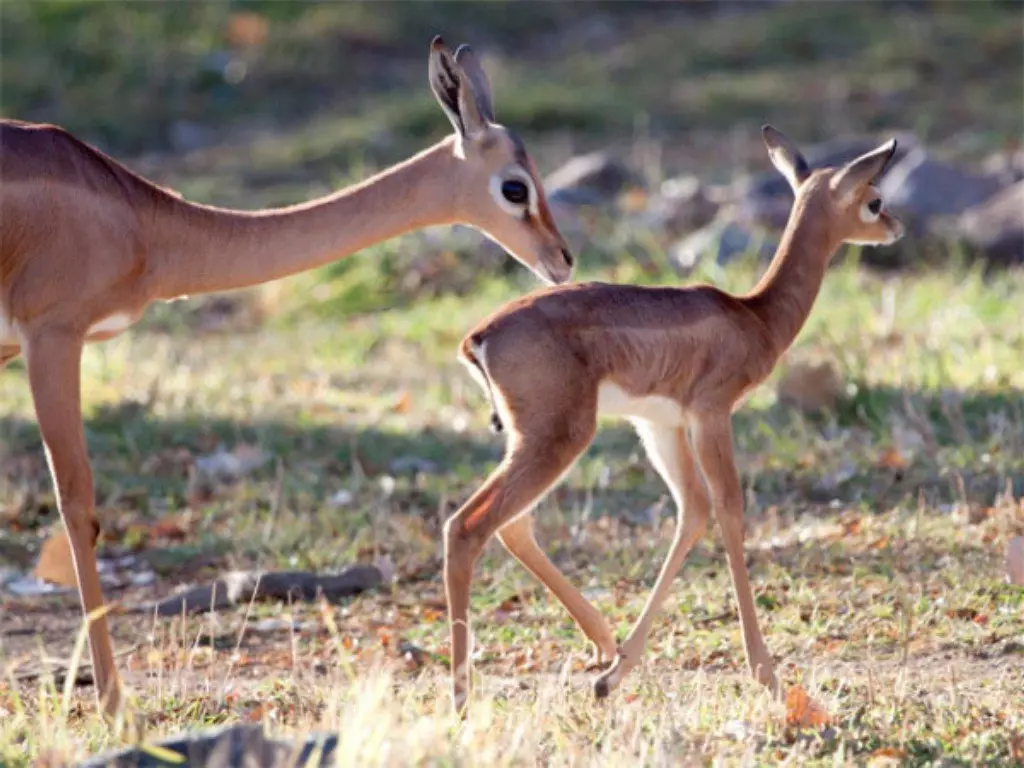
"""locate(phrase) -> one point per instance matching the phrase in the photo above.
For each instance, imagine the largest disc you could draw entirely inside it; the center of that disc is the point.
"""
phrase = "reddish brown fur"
(690, 354)
(84, 240)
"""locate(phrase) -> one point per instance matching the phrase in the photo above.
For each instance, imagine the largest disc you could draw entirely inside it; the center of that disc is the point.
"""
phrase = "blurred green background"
(338, 390)
(254, 104)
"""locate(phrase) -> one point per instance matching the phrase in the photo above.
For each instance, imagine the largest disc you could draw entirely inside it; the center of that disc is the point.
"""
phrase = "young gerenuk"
(674, 361)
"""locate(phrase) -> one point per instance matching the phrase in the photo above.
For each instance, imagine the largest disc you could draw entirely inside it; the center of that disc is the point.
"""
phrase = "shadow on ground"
(968, 428)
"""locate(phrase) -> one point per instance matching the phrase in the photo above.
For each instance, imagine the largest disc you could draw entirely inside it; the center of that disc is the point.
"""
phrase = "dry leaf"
(255, 714)
(802, 711)
(1015, 561)
(246, 28)
(231, 466)
(401, 405)
(810, 386)
(634, 200)
(56, 564)
(172, 527)
(891, 458)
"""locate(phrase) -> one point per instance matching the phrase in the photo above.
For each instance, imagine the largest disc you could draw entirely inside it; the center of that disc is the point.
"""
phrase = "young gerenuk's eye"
(515, 191)
(875, 206)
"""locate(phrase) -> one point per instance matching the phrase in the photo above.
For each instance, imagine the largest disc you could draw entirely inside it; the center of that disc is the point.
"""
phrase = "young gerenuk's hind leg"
(533, 464)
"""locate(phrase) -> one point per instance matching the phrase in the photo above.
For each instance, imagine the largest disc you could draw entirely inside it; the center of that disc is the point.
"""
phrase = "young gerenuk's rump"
(676, 362)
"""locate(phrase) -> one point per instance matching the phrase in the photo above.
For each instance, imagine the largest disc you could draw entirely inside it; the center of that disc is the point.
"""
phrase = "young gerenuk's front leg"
(712, 442)
(671, 455)
(532, 465)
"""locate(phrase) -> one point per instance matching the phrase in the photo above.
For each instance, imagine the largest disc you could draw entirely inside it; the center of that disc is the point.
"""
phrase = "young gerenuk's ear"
(863, 171)
(786, 158)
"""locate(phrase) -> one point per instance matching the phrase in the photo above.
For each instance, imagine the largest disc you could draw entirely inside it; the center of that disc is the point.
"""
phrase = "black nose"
(567, 256)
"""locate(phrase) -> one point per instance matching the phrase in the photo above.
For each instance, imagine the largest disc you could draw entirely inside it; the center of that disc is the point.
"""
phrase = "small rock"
(238, 744)
(737, 730)
(726, 239)
(413, 465)
(187, 136)
(29, 586)
(341, 498)
(681, 205)
(273, 625)
(996, 227)
(810, 386)
(1006, 167)
(142, 578)
(591, 179)
(230, 466)
(920, 187)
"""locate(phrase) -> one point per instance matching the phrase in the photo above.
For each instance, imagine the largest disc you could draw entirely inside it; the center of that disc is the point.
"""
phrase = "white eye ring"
(867, 215)
(511, 208)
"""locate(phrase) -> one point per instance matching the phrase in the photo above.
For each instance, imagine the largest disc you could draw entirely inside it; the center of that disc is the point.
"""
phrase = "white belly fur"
(112, 325)
(108, 326)
(613, 400)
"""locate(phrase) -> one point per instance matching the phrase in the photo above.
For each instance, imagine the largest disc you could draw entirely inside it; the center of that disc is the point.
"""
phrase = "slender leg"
(532, 465)
(54, 369)
(712, 442)
(670, 453)
(518, 538)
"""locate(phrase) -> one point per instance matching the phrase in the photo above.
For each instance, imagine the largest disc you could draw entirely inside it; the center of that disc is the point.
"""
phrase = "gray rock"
(1006, 167)
(591, 179)
(725, 238)
(186, 136)
(920, 187)
(411, 465)
(995, 229)
(241, 587)
(681, 205)
(231, 745)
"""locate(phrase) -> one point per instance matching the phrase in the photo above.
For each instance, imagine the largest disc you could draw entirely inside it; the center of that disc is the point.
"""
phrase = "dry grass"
(876, 528)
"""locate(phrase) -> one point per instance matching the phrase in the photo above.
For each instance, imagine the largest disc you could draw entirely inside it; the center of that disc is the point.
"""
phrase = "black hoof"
(601, 689)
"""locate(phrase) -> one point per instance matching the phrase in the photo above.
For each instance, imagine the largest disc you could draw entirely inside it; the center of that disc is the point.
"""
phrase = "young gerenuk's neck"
(786, 293)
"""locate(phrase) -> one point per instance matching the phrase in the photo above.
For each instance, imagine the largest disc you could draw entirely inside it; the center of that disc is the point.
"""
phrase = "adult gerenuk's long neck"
(784, 296)
(201, 249)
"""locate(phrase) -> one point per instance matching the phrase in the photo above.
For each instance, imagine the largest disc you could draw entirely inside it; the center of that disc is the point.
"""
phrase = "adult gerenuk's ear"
(455, 90)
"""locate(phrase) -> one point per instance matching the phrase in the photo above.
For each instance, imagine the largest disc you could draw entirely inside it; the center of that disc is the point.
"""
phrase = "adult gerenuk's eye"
(875, 206)
(515, 192)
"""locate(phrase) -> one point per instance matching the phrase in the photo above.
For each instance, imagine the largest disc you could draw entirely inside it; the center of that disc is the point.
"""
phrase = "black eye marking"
(515, 191)
(875, 206)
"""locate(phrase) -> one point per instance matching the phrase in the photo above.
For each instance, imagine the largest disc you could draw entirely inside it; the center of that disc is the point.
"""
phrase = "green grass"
(875, 530)
(874, 587)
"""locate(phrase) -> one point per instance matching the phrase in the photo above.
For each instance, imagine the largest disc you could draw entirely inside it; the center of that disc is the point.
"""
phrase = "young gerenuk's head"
(498, 190)
(848, 193)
